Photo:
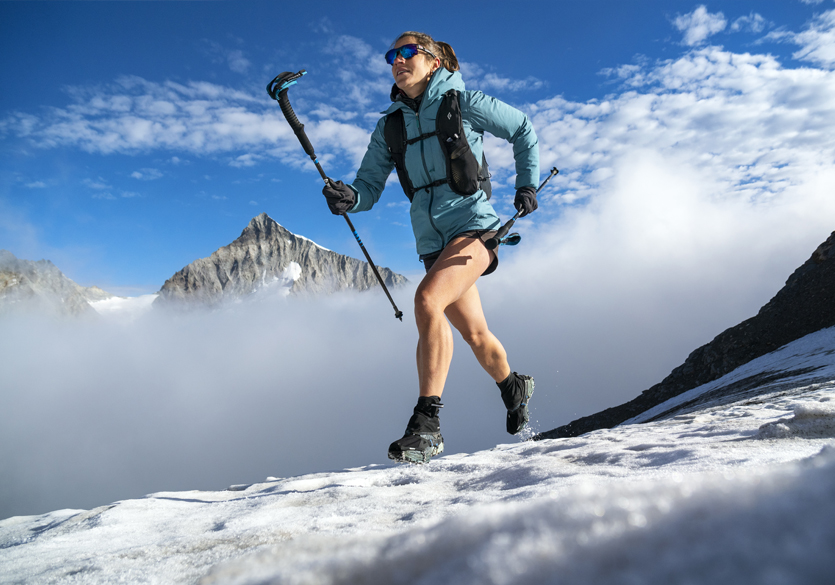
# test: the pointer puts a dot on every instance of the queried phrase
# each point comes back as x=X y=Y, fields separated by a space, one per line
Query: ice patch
x=812 y=420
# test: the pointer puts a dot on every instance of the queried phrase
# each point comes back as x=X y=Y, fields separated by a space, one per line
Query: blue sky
x=137 y=136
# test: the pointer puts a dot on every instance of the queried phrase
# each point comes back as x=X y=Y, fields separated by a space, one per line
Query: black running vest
x=463 y=173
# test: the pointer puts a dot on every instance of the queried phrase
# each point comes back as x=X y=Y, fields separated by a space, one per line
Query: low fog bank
x=598 y=305
x=98 y=411
x=605 y=300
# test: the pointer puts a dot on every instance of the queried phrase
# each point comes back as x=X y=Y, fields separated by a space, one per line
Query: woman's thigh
x=454 y=272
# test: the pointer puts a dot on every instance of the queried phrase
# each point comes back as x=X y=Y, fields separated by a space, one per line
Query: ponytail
x=441 y=50
x=447 y=56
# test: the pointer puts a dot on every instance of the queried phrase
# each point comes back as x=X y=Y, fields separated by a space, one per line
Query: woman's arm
x=374 y=171
x=504 y=121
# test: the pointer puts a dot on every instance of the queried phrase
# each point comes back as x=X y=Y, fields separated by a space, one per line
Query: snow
x=801 y=362
x=281 y=285
x=124 y=308
x=312 y=242
x=726 y=493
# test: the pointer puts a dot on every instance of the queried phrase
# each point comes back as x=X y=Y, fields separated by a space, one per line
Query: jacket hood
x=441 y=81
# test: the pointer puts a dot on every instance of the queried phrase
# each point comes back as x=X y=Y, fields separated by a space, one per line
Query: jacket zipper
x=431 y=189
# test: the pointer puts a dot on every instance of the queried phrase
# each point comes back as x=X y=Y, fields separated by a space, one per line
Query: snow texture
x=726 y=493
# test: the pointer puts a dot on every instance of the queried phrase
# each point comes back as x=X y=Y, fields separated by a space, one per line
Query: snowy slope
x=728 y=493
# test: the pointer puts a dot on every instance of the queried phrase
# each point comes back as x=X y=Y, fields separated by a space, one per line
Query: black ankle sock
x=511 y=389
x=507 y=384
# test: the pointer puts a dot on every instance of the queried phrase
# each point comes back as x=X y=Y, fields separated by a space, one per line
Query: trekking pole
x=277 y=88
x=494 y=242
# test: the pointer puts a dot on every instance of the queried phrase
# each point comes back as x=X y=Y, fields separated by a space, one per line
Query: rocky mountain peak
x=268 y=255
x=40 y=287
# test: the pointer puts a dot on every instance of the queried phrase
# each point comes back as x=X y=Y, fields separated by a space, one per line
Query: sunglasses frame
x=393 y=53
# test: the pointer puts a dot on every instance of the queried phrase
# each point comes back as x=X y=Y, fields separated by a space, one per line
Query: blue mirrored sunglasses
x=406 y=51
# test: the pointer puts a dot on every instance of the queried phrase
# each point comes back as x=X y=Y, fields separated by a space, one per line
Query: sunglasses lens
x=407 y=51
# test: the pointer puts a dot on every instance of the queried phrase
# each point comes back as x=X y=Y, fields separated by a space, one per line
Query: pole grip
x=277 y=88
x=298 y=127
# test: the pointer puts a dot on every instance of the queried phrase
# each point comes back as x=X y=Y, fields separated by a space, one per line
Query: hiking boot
x=517 y=390
x=423 y=439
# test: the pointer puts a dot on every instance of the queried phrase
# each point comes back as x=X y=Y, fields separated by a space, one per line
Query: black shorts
x=483 y=235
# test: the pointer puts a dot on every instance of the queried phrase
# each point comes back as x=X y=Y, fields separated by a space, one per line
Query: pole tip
x=399 y=315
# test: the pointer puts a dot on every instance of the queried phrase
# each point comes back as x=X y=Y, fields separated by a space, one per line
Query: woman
x=450 y=227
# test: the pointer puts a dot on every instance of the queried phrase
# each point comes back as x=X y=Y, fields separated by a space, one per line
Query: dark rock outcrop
x=267 y=254
x=806 y=304
x=40 y=288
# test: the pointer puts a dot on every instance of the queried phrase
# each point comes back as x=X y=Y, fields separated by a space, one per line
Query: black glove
x=340 y=197
x=525 y=200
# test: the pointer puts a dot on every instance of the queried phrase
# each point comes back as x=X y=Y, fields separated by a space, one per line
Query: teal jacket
x=439 y=214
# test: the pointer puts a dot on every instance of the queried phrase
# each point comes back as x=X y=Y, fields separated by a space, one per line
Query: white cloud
x=146 y=174
x=478 y=77
x=817 y=42
x=135 y=115
x=752 y=23
x=699 y=25
x=233 y=58
x=237 y=62
x=683 y=204
x=98 y=184
x=36 y=185
x=245 y=160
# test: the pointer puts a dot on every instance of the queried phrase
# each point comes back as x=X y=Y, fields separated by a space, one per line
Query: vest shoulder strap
x=464 y=174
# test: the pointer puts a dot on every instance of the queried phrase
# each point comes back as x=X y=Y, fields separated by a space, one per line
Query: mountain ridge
x=805 y=304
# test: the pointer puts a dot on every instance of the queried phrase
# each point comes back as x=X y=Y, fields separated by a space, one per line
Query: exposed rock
x=264 y=254
x=806 y=304
x=39 y=287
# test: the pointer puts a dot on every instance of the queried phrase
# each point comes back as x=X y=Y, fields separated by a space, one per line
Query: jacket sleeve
x=504 y=121
x=374 y=170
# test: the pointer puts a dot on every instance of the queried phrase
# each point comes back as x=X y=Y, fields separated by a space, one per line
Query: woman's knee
x=474 y=337
x=427 y=305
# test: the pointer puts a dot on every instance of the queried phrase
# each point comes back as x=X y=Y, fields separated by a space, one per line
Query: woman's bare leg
x=467 y=316
x=449 y=290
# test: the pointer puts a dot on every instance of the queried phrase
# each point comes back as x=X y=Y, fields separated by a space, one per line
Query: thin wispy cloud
x=754 y=23
x=232 y=58
x=479 y=77
x=817 y=42
x=147 y=174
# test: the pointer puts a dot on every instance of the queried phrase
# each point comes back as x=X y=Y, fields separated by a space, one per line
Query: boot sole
x=417 y=456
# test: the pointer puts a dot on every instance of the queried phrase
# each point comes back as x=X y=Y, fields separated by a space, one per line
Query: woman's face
x=412 y=75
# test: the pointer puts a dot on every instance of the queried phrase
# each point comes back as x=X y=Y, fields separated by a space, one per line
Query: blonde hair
x=441 y=50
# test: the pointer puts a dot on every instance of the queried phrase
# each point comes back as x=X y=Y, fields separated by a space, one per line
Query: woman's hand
x=340 y=197
x=525 y=201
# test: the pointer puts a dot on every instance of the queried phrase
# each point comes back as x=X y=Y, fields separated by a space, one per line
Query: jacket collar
x=440 y=82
